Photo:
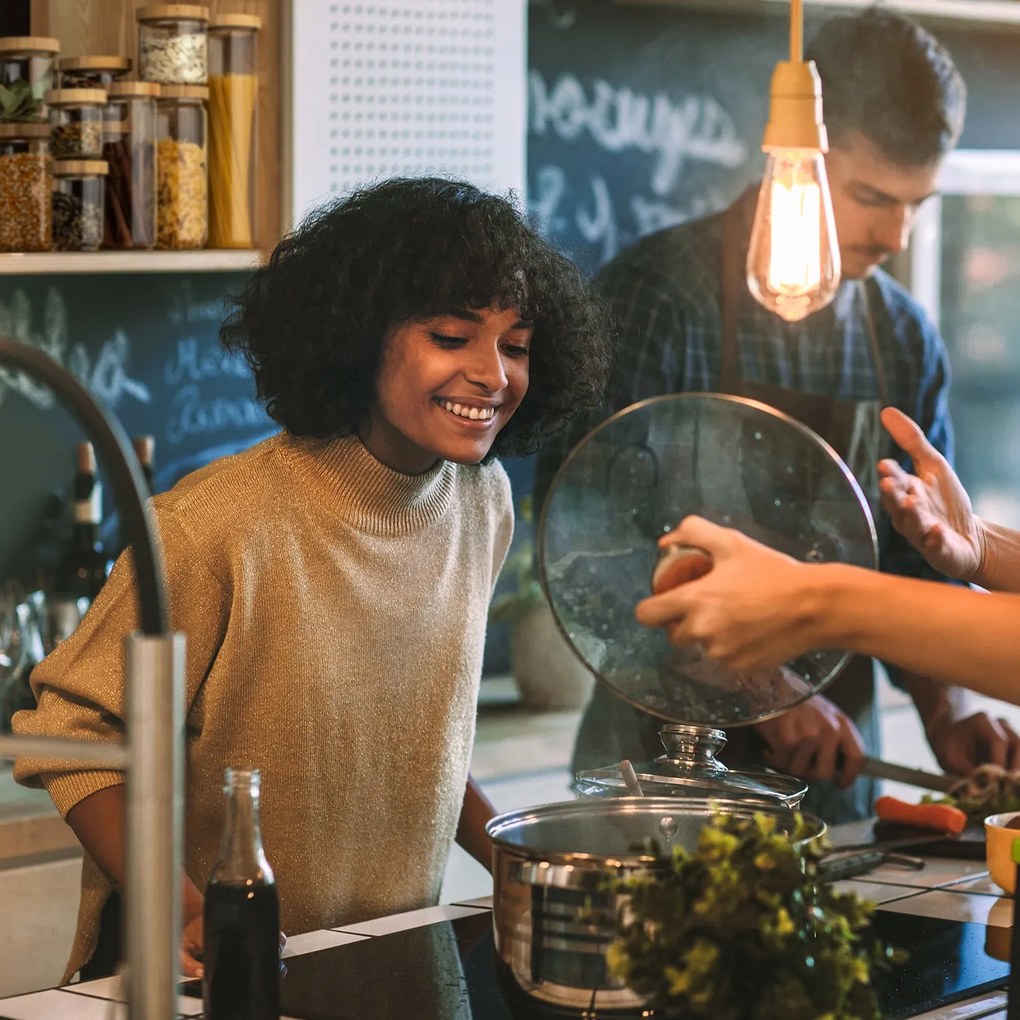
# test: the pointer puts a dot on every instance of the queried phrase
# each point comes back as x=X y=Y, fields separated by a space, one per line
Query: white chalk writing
x=193 y=415
x=104 y=374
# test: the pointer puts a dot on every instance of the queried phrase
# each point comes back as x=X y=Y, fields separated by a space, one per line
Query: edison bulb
x=793 y=259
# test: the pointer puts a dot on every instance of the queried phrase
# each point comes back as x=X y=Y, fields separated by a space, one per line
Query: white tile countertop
x=946 y=888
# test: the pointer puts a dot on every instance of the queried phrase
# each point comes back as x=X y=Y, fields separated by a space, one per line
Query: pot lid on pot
x=735 y=461
x=689 y=768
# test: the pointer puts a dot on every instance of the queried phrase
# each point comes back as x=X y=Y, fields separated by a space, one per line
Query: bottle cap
x=76 y=167
x=128 y=89
x=249 y=21
x=29 y=44
x=115 y=64
x=66 y=97
x=86 y=458
x=156 y=12
x=145 y=448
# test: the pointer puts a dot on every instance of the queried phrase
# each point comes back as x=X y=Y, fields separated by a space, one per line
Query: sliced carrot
x=944 y=817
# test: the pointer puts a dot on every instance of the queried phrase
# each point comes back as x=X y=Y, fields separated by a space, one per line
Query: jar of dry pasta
x=129 y=148
x=233 y=90
x=182 y=204
x=26 y=72
x=97 y=72
x=76 y=123
x=78 y=193
x=173 y=43
x=25 y=187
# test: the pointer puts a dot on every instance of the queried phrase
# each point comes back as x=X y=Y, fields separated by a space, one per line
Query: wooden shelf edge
x=205 y=261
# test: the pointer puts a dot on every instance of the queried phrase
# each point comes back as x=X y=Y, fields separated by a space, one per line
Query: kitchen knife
x=878 y=769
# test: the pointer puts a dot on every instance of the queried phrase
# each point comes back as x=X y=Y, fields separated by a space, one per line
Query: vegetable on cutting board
x=943 y=817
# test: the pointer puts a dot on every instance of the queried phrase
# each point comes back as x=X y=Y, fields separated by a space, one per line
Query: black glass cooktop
x=447 y=971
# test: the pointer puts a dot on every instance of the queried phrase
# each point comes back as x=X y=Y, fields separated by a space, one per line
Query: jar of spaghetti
x=76 y=123
x=129 y=148
x=78 y=192
x=91 y=72
x=233 y=90
x=26 y=71
x=25 y=186
x=173 y=43
x=182 y=204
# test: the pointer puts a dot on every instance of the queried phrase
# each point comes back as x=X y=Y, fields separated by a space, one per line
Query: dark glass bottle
x=145 y=451
x=241 y=957
x=83 y=569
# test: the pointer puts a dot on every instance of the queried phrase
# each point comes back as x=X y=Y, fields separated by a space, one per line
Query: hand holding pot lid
x=739 y=465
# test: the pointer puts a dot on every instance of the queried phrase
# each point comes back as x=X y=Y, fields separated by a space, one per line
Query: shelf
x=206 y=261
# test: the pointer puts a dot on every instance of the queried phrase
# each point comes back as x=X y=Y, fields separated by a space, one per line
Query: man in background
x=894 y=106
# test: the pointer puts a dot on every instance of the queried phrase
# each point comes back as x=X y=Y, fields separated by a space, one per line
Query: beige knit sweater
x=335 y=619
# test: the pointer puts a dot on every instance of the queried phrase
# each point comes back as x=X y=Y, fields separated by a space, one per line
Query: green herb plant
x=17 y=102
x=520 y=564
x=740 y=929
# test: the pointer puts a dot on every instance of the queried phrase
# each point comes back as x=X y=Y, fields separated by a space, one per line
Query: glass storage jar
x=26 y=72
x=173 y=43
x=182 y=203
x=91 y=72
x=26 y=182
x=233 y=89
x=76 y=123
x=78 y=192
x=129 y=148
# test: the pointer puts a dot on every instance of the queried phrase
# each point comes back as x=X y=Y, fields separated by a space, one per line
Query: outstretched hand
x=747 y=611
x=931 y=508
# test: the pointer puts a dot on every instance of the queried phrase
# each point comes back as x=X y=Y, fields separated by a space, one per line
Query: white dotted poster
x=410 y=88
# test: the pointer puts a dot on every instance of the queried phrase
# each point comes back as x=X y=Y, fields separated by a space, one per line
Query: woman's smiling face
x=446 y=386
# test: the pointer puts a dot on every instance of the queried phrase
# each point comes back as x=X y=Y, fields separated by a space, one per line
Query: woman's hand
x=930 y=509
x=751 y=610
x=191 y=930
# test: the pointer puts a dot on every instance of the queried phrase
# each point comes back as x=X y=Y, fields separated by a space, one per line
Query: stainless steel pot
x=553 y=918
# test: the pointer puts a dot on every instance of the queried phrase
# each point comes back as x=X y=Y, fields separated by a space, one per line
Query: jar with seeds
x=78 y=195
x=129 y=148
x=173 y=43
x=91 y=72
x=182 y=184
x=76 y=123
x=25 y=185
x=26 y=73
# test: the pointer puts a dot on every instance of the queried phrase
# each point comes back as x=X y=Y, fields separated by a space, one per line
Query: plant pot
x=548 y=674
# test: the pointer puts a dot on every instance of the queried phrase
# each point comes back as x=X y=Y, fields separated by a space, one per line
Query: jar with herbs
x=26 y=74
x=129 y=148
x=91 y=72
x=233 y=89
x=173 y=43
x=76 y=123
x=182 y=202
x=78 y=193
x=26 y=183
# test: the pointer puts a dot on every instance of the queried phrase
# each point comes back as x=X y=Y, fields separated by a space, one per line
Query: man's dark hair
x=313 y=321
x=887 y=78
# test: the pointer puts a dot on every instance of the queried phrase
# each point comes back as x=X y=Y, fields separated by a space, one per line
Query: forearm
x=938 y=630
x=1000 y=561
x=474 y=813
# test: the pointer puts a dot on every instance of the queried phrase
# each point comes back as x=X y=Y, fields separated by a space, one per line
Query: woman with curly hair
x=333 y=581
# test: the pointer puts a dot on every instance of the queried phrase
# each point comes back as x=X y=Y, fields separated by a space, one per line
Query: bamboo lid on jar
x=248 y=21
x=184 y=92
x=94 y=64
x=29 y=44
x=157 y=12
x=70 y=97
x=132 y=89
x=24 y=130
x=77 y=167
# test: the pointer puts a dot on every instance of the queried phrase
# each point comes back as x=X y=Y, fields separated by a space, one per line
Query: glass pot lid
x=734 y=461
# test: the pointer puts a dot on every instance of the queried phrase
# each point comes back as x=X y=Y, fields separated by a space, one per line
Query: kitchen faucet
x=154 y=753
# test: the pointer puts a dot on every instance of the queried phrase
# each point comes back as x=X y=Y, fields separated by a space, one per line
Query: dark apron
x=612 y=729
x=853 y=429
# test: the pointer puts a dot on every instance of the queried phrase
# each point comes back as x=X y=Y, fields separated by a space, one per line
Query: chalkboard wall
x=146 y=345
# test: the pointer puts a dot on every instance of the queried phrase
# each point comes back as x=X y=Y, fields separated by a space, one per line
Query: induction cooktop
x=447 y=971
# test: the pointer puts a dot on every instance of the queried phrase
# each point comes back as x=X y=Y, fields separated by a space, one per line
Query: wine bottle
x=145 y=451
x=241 y=917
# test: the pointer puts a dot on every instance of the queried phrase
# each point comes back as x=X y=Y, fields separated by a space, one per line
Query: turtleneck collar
x=363 y=491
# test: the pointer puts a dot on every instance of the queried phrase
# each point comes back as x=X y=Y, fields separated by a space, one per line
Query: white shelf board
x=206 y=260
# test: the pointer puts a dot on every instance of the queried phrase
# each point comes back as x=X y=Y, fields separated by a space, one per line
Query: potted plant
x=742 y=929
x=548 y=674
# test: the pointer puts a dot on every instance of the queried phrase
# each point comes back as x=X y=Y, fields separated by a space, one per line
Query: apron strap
x=881 y=379
x=731 y=281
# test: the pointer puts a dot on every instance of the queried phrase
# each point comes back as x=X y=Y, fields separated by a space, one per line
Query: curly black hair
x=312 y=322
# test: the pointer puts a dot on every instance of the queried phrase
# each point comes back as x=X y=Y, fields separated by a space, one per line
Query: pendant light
x=793 y=259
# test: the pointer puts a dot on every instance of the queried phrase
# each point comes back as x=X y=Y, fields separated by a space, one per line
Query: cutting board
x=970 y=844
